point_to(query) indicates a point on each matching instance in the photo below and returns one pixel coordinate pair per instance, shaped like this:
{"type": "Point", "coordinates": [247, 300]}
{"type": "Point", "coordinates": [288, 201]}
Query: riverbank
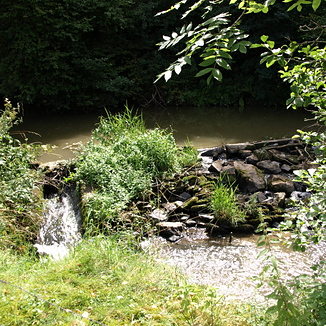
{"type": "Point", "coordinates": [108, 281]}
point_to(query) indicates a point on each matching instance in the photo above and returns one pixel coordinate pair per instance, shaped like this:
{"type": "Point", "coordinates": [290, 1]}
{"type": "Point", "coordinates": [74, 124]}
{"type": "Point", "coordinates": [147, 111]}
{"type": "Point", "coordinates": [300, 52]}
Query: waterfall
{"type": "Point", "coordinates": [60, 228]}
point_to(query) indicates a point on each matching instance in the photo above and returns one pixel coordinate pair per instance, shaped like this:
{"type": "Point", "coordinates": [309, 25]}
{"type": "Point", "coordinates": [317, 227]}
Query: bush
{"type": "Point", "coordinates": [120, 162]}
{"type": "Point", "coordinates": [19, 200]}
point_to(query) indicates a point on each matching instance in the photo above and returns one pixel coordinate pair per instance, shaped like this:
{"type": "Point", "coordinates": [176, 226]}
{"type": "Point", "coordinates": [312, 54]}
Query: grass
{"type": "Point", "coordinates": [119, 164]}
{"type": "Point", "coordinates": [112, 283]}
{"type": "Point", "coordinates": [224, 204]}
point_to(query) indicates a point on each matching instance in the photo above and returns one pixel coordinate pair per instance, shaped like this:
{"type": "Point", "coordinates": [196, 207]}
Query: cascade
{"type": "Point", "coordinates": [60, 228]}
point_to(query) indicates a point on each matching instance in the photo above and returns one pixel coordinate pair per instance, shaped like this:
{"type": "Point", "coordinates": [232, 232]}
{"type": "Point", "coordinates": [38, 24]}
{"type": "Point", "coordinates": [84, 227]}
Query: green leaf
{"type": "Point", "coordinates": [274, 262]}
{"type": "Point", "coordinates": [167, 75]}
{"type": "Point", "coordinates": [271, 44]}
{"type": "Point", "coordinates": [204, 72]}
{"type": "Point", "coordinates": [207, 62]}
{"type": "Point", "coordinates": [315, 4]}
{"type": "Point", "coordinates": [221, 62]}
{"type": "Point", "coordinates": [264, 38]}
{"type": "Point", "coordinates": [209, 79]}
{"type": "Point", "coordinates": [187, 60]}
{"type": "Point", "coordinates": [242, 49]}
{"type": "Point", "coordinates": [262, 253]}
{"type": "Point", "coordinates": [217, 74]}
{"type": "Point", "coordinates": [177, 69]}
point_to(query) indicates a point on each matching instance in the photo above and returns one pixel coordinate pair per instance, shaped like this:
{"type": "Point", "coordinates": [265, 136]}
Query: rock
{"type": "Point", "coordinates": [174, 238]}
{"type": "Point", "coordinates": [190, 202]}
{"type": "Point", "coordinates": [212, 151]}
{"type": "Point", "coordinates": [283, 157]}
{"type": "Point", "coordinates": [206, 218]}
{"type": "Point", "coordinates": [170, 207]}
{"type": "Point", "coordinates": [252, 159]}
{"type": "Point", "coordinates": [159, 215]}
{"type": "Point", "coordinates": [260, 196]}
{"type": "Point", "coordinates": [216, 166]}
{"type": "Point", "coordinates": [243, 153]}
{"type": "Point", "coordinates": [286, 168]}
{"type": "Point", "coordinates": [201, 225]}
{"type": "Point", "coordinates": [235, 148]}
{"type": "Point", "coordinates": [300, 186]}
{"type": "Point", "coordinates": [268, 166]}
{"type": "Point", "coordinates": [184, 196]}
{"type": "Point", "coordinates": [229, 169]}
{"type": "Point", "coordinates": [198, 208]}
{"type": "Point", "coordinates": [244, 228]}
{"type": "Point", "coordinates": [298, 196]}
{"type": "Point", "coordinates": [184, 217]}
{"type": "Point", "coordinates": [279, 183]}
{"type": "Point", "coordinates": [280, 199]}
{"type": "Point", "coordinates": [168, 229]}
{"type": "Point", "coordinates": [263, 154]}
{"type": "Point", "coordinates": [250, 178]}
{"type": "Point", "coordinates": [190, 223]}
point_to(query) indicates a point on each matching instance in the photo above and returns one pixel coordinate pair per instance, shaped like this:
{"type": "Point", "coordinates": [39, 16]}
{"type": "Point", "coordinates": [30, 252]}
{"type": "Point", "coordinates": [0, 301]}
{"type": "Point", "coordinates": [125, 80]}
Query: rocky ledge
{"type": "Point", "coordinates": [261, 171]}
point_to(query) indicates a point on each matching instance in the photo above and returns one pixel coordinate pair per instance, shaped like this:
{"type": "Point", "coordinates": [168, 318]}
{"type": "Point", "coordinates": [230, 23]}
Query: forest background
{"type": "Point", "coordinates": [86, 55]}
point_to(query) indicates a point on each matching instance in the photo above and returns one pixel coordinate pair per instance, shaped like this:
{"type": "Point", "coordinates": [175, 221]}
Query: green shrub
{"type": "Point", "coordinates": [120, 162]}
{"type": "Point", "coordinates": [224, 204]}
{"type": "Point", "coordinates": [19, 200]}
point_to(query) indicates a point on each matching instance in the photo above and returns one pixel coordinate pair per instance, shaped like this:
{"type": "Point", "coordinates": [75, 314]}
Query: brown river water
{"type": "Point", "coordinates": [203, 127]}
{"type": "Point", "coordinates": [216, 262]}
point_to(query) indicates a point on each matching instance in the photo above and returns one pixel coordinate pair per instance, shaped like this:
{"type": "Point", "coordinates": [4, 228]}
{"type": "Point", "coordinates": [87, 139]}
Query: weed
{"type": "Point", "coordinates": [20, 202]}
{"type": "Point", "coordinates": [224, 204]}
{"type": "Point", "coordinates": [119, 163]}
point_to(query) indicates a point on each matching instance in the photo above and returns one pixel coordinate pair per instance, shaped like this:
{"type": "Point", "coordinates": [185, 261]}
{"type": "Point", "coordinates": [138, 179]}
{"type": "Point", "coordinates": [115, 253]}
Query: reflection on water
{"type": "Point", "coordinates": [203, 127]}
{"type": "Point", "coordinates": [229, 267]}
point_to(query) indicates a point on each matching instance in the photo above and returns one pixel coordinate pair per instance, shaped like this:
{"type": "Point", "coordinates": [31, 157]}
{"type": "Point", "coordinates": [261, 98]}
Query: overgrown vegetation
{"type": "Point", "coordinates": [120, 163]}
{"type": "Point", "coordinates": [20, 200]}
{"type": "Point", "coordinates": [225, 205]}
{"type": "Point", "coordinates": [107, 282]}
{"type": "Point", "coordinates": [98, 53]}
{"type": "Point", "coordinates": [299, 301]}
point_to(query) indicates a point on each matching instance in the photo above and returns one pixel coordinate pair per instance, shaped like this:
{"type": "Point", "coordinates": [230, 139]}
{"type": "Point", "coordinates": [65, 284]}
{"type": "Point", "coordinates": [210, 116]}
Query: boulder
{"type": "Point", "coordinates": [250, 178]}
{"type": "Point", "coordinates": [205, 218]}
{"type": "Point", "coordinates": [216, 166]}
{"type": "Point", "coordinates": [158, 215]}
{"type": "Point", "coordinates": [283, 157]}
{"type": "Point", "coordinates": [270, 167]}
{"type": "Point", "coordinates": [214, 152]}
{"type": "Point", "coordinates": [279, 183]}
{"type": "Point", "coordinates": [286, 168]}
{"type": "Point", "coordinates": [235, 148]}
{"type": "Point", "coordinates": [169, 229]}
{"type": "Point", "coordinates": [252, 159]}
{"type": "Point", "coordinates": [243, 153]}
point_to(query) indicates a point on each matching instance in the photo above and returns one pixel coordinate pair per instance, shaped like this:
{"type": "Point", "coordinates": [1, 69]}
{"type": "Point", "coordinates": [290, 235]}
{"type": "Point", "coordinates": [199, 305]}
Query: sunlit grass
{"type": "Point", "coordinates": [110, 282]}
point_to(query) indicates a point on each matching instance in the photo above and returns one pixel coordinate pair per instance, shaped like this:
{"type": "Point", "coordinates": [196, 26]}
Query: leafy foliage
{"type": "Point", "coordinates": [120, 162]}
{"type": "Point", "coordinates": [19, 200]}
{"type": "Point", "coordinates": [73, 54]}
{"type": "Point", "coordinates": [299, 301]}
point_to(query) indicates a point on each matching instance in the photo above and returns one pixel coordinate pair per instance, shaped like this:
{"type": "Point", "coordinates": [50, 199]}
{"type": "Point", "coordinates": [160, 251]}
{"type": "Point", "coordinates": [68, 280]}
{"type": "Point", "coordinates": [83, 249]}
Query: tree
{"type": "Point", "coordinates": [217, 38]}
{"type": "Point", "coordinates": [78, 54]}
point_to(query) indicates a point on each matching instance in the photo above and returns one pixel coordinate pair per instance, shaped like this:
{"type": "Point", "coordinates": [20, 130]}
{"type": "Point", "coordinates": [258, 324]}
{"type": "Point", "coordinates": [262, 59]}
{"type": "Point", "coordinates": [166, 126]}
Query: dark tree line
{"type": "Point", "coordinates": [72, 54]}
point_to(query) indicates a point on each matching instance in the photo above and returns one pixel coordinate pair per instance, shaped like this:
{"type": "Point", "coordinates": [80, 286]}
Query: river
{"type": "Point", "coordinates": [227, 266]}
{"type": "Point", "coordinates": [203, 127]}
